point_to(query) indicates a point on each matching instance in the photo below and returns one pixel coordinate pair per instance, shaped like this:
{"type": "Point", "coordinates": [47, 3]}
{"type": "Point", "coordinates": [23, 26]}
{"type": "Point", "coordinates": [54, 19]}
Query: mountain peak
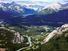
{"type": "Point", "coordinates": [51, 8]}
{"type": "Point", "coordinates": [54, 6]}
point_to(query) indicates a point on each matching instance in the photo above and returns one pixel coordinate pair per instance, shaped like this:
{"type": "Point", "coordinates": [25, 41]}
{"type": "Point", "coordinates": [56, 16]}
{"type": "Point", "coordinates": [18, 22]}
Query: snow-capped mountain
{"type": "Point", "coordinates": [15, 8]}
{"type": "Point", "coordinates": [33, 5]}
{"type": "Point", "coordinates": [29, 8]}
{"type": "Point", "coordinates": [53, 7]}
{"type": "Point", "coordinates": [30, 14]}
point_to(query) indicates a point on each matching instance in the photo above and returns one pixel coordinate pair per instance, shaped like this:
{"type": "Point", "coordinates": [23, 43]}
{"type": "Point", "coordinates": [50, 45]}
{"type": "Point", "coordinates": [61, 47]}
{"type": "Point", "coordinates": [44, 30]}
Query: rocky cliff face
{"type": "Point", "coordinates": [58, 32]}
{"type": "Point", "coordinates": [11, 35]}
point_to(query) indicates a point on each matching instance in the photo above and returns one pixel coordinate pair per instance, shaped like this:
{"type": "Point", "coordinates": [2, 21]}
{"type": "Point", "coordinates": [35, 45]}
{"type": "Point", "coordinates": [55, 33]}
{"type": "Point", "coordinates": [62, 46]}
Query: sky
{"type": "Point", "coordinates": [37, 0]}
{"type": "Point", "coordinates": [62, 1]}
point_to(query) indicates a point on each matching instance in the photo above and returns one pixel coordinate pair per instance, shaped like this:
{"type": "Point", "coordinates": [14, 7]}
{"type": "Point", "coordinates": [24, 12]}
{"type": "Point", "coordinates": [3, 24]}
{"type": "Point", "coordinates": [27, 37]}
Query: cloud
{"type": "Point", "coordinates": [62, 1]}
{"type": "Point", "coordinates": [33, 0]}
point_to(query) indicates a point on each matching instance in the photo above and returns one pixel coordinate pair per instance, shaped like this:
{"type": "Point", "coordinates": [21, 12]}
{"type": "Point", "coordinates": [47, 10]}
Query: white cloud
{"type": "Point", "coordinates": [62, 1]}
{"type": "Point", "coordinates": [35, 0]}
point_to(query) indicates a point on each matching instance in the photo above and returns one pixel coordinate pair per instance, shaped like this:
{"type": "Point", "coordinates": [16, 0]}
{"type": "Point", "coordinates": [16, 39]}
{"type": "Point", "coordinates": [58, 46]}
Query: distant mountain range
{"type": "Point", "coordinates": [16, 9]}
{"type": "Point", "coordinates": [54, 14]}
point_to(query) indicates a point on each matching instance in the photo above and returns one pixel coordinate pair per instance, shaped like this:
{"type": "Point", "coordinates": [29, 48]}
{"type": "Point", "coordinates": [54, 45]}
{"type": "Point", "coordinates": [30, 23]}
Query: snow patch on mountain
{"type": "Point", "coordinates": [16, 8]}
{"type": "Point", "coordinates": [55, 6]}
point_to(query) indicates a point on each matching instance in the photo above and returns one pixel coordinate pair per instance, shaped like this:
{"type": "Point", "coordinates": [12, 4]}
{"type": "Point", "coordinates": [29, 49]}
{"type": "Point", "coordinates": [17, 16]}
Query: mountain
{"type": "Point", "coordinates": [16, 9]}
{"type": "Point", "coordinates": [53, 7]}
{"type": "Point", "coordinates": [55, 19]}
{"type": "Point", "coordinates": [65, 6]}
{"type": "Point", "coordinates": [12, 13]}
{"type": "Point", "coordinates": [53, 14]}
